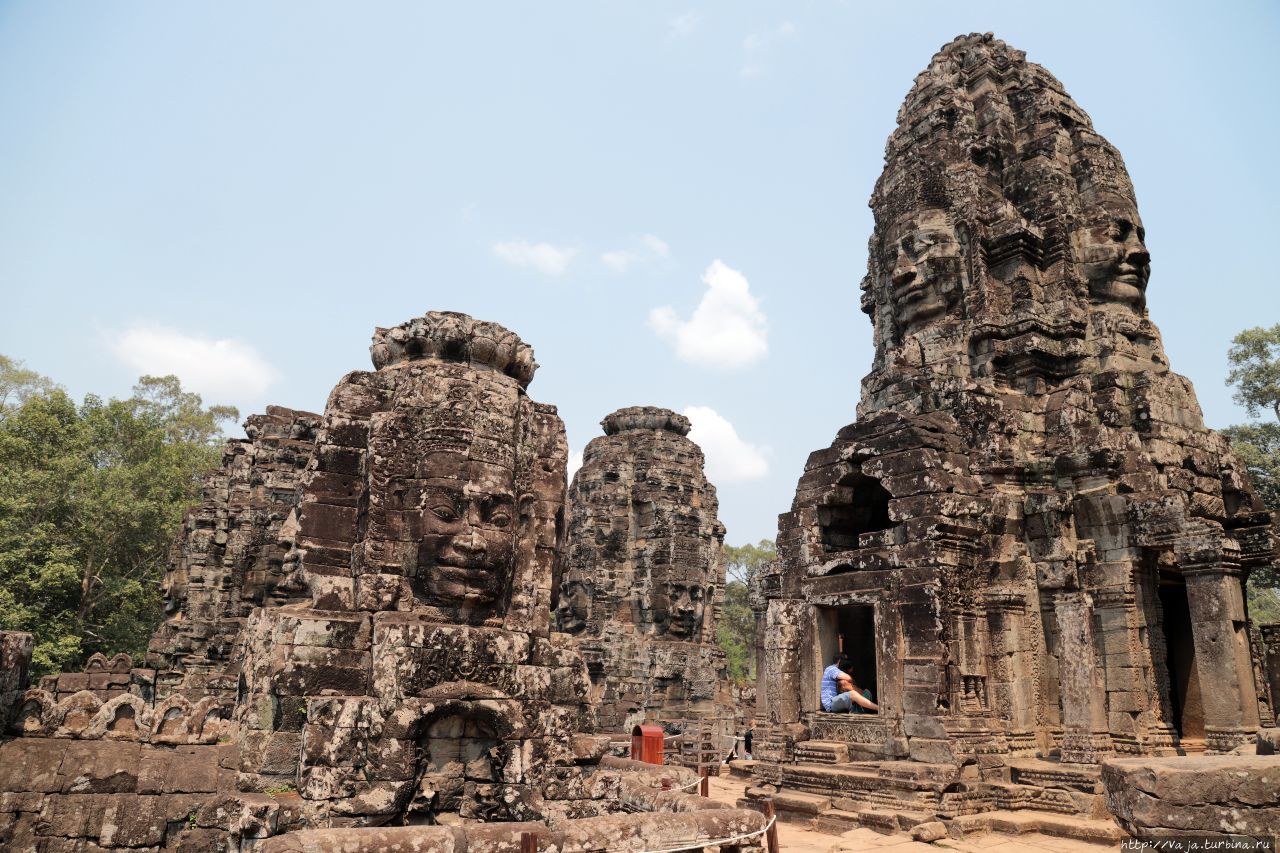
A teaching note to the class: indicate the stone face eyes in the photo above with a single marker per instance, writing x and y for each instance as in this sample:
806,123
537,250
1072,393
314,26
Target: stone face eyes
1121,229
444,512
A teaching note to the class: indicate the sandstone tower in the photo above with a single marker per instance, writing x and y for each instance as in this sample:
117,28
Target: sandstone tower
645,576
1028,541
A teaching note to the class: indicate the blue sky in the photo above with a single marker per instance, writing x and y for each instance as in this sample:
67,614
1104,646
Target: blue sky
667,200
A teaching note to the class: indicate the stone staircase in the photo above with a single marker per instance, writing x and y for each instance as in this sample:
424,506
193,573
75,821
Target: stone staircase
832,794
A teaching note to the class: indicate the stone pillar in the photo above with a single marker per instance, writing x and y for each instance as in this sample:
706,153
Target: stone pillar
781,673
1085,739
15,660
1271,662
1013,670
1215,594
1157,732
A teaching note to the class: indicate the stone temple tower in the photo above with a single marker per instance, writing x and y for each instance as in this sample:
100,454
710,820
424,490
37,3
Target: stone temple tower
1028,541
644,576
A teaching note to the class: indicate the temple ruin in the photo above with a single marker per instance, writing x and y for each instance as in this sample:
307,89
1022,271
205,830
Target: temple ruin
395,625
395,676
644,575
1028,542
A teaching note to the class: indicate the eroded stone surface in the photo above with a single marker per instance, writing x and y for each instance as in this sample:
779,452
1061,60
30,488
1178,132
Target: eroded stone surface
15,660
1213,796
644,578
230,555
1028,541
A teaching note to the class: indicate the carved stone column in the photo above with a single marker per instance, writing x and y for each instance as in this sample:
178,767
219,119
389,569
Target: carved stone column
1271,661
1158,733
1085,739
1013,670
1215,594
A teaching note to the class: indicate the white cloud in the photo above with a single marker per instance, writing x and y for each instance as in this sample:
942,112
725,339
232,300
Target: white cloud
757,46
683,25
217,369
656,245
729,458
543,257
575,462
726,331
619,261
651,248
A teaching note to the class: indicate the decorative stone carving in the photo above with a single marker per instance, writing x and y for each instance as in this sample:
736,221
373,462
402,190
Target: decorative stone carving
644,575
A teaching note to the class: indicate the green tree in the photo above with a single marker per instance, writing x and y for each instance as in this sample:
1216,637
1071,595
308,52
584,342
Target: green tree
1255,374
90,498
736,633
17,384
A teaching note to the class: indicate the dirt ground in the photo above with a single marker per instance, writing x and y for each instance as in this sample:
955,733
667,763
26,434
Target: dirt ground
795,838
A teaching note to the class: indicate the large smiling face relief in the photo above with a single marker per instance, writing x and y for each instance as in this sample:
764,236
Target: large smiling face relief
464,516
922,259
1111,254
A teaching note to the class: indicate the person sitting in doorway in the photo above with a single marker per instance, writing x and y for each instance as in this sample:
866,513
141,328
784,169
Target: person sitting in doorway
839,692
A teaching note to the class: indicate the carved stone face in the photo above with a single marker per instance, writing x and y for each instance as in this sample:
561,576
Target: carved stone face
679,608
576,607
923,259
465,518
1113,258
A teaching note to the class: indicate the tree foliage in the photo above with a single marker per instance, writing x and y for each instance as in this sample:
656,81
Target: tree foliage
90,498
736,633
1255,373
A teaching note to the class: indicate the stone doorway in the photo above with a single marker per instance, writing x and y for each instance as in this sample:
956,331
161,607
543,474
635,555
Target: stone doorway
1180,651
460,759
851,629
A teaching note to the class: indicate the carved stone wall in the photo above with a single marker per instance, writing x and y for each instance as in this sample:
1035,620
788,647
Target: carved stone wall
644,575
1045,544
231,554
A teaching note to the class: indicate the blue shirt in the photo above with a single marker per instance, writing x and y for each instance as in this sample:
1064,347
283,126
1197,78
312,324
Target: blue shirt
830,676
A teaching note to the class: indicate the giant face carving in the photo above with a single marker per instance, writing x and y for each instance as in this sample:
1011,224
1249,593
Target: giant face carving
464,517
923,260
679,607
575,607
1112,256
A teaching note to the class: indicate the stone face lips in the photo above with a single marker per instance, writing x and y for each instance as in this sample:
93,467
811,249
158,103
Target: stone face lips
1029,539
230,555
644,574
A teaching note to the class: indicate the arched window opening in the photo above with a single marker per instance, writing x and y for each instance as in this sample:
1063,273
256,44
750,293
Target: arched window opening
859,505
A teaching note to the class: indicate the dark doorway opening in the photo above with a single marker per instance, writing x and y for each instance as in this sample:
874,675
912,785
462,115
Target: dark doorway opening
851,629
1184,679
859,505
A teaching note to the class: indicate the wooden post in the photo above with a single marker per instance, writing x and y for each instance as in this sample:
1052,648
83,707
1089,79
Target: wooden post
528,842
705,788
666,784
772,835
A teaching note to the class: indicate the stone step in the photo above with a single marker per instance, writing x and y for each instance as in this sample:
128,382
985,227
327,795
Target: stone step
836,822
1053,774
857,776
884,821
822,752
801,804
1047,823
